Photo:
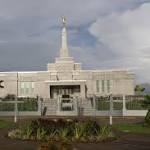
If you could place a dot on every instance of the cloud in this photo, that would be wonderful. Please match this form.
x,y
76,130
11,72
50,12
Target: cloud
x,y
32,28
78,12
127,35
124,31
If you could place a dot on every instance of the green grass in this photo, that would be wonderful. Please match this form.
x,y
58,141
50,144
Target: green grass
x,y
4,124
133,128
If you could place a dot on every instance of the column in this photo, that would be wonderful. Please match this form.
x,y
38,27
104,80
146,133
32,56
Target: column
x,y
82,90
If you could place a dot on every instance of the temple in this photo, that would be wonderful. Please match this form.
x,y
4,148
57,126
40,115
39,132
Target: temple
x,y
65,82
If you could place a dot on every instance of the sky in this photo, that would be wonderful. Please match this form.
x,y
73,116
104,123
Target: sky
x,y
102,34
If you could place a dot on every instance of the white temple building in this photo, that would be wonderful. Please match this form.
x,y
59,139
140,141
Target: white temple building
x,y
66,79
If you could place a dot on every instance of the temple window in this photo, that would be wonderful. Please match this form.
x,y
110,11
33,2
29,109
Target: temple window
x,y
26,88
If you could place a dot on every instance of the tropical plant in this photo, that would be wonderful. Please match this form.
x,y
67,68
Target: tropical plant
x,y
27,130
15,134
63,133
79,130
61,130
105,130
41,134
52,133
103,133
91,127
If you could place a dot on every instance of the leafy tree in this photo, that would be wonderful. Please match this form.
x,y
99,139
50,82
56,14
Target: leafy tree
x,y
139,89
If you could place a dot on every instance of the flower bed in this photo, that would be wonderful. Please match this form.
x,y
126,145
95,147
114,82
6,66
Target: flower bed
x,y
63,130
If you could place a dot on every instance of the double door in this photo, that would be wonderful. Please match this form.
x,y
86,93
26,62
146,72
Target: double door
x,y
56,91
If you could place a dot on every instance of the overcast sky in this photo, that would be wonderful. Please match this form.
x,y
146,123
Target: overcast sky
x,y
102,34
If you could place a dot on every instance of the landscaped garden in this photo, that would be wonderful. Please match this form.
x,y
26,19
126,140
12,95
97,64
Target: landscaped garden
x,y
63,134
66,134
63,130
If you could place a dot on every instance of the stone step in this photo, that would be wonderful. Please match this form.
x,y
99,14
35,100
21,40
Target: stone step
x,y
51,114
51,109
49,103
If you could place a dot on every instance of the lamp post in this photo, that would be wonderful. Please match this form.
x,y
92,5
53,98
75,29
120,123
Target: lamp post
x,y
111,109
16,102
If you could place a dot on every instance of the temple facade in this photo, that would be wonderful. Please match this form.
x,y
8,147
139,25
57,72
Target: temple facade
x,y
66,78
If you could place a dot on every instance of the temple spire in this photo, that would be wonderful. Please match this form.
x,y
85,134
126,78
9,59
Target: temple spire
x,y
64,47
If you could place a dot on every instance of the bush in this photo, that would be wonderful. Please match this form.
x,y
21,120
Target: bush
x,y
9,97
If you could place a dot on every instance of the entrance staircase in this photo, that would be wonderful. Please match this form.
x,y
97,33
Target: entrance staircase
x,y
85,107
88,107
51,107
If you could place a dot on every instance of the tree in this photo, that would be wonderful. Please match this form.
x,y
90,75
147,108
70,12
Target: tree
x,y
139,89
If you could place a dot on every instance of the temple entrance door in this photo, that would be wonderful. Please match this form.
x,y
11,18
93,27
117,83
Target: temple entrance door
x,y
58,90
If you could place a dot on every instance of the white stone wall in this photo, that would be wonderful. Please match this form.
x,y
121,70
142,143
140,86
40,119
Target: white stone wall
x,y
122,82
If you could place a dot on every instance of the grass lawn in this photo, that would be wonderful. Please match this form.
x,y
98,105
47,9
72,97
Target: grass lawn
x,y
133,128
4,124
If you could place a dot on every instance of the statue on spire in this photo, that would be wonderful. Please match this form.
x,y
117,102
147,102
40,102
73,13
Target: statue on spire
x,y
64,47
64,20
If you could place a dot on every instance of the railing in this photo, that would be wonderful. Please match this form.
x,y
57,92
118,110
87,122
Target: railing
x,y
70,102
122,106
23,106
99,106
